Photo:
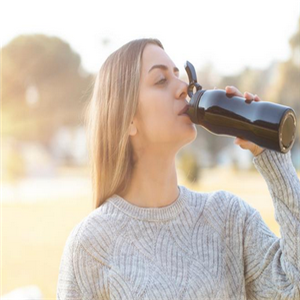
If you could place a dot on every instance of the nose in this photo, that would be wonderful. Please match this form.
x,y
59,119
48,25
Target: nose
x,y
182,90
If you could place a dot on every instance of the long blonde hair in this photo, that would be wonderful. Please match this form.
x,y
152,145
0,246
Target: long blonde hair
x,y
109,113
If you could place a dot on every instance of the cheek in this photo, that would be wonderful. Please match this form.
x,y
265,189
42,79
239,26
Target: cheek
x,y
157,117
157,123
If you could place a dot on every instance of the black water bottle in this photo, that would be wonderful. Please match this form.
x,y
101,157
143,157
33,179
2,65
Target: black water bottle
x,y
269,125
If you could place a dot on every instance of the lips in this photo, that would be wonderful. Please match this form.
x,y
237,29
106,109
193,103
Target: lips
x,y
184,110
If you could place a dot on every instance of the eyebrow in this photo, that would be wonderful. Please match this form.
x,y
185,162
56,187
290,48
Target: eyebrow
x,y
163,67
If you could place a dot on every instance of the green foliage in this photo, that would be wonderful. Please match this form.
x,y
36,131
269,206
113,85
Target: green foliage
x,y
189,166
288,83
295,39
43,87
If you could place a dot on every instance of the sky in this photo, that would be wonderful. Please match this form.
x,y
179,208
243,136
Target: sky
x,y
230,35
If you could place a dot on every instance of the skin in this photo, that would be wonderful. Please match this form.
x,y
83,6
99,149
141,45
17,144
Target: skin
x,y
157,132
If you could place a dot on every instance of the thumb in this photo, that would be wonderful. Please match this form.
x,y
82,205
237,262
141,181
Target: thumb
x,y
244,144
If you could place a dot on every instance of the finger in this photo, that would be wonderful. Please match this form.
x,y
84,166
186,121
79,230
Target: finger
x,y
233,90
256,98
248,96
244,144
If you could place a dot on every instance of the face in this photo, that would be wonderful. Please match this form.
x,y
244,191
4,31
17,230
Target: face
x,y
162,96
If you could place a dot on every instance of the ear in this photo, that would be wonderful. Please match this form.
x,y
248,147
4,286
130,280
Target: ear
x,y
132,129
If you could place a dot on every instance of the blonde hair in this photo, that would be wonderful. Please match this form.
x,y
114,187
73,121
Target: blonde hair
x,y
108,116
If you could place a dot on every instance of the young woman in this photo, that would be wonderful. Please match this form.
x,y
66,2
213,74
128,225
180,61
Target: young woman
x,y
149,238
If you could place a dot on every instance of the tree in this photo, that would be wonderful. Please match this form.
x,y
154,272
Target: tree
x,y
286,88
44,87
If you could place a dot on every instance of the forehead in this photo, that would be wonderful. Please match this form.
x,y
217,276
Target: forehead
x,y
154,55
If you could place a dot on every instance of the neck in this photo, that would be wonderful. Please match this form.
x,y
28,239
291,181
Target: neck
x,y
153,182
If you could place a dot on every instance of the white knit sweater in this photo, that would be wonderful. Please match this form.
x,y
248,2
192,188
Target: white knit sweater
x,y
202,246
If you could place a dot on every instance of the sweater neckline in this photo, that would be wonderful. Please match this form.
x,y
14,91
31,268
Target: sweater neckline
x,y
164,213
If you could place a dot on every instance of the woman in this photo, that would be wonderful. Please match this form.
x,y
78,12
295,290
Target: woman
x,y
149,238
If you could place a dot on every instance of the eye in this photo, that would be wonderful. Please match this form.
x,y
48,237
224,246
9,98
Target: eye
x,y
162,81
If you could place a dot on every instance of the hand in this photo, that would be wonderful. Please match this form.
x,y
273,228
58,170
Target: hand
x,y
244,144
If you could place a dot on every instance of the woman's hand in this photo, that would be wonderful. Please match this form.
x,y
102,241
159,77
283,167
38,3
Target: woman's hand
x,y
244,144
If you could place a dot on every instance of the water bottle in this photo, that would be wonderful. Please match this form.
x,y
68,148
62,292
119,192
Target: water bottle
x,y
269,125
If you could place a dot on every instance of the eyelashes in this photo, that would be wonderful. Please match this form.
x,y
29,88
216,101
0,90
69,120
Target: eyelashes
x,y
162,81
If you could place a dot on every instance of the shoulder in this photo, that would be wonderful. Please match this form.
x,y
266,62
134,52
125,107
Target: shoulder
x,y
72,244
224,200
93,236
220,204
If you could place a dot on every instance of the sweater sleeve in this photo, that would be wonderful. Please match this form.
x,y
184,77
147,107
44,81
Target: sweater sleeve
x,y
67,285
83,272
272,264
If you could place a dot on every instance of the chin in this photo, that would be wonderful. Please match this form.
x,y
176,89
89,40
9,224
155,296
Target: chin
x,y
191,135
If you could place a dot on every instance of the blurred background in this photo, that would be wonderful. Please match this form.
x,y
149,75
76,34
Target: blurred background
x,y
50,55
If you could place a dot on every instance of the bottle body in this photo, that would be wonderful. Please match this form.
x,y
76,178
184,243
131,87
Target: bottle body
x,y
269,125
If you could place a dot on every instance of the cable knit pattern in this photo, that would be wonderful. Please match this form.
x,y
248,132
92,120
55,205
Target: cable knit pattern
x,y
202,246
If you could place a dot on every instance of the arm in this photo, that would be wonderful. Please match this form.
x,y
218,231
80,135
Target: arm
x,y
67,286
84,272
272,265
